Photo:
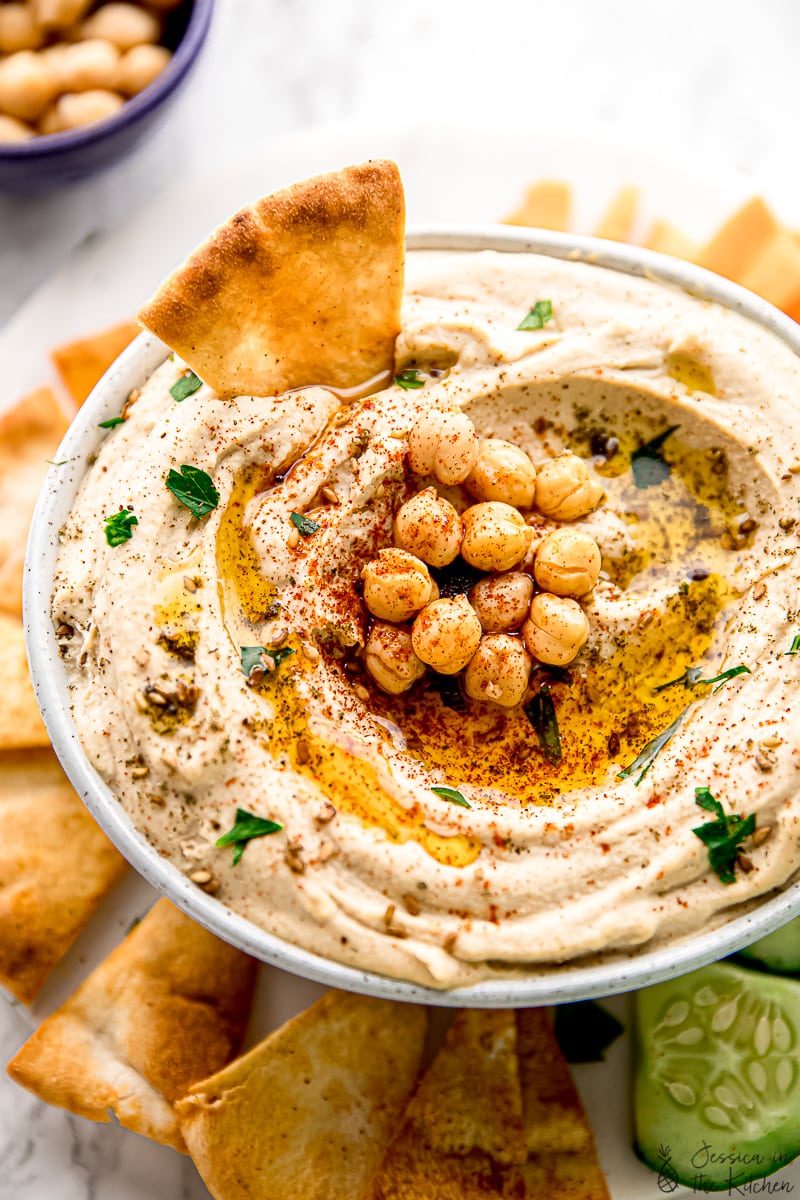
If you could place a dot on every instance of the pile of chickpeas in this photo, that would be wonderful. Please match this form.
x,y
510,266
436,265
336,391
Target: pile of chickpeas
x,y
67,63
526,608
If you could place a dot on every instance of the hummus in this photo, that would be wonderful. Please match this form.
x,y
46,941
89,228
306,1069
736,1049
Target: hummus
x,y
555,859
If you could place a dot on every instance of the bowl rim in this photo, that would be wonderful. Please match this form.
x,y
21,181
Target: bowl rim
x,y
552,985
53,145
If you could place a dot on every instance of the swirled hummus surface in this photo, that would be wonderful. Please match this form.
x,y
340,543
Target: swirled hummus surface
x,y
556,858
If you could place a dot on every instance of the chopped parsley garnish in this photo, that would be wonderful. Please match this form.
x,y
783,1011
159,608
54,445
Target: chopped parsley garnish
x,y
247,827
541,312
647,464
455,797
645,759
585,1030
795,646
409,379
119,527
722,837
110,423
59,462
186,386
692,677
252,656
304,525
541,712
194,489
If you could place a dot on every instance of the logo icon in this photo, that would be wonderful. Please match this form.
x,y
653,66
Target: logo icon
x,y
667,1175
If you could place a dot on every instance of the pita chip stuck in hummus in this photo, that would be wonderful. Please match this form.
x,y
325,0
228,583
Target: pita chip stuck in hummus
x,y
303,286
168,1007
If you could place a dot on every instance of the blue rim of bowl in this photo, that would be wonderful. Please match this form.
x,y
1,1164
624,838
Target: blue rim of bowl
x,y
540,985
52,145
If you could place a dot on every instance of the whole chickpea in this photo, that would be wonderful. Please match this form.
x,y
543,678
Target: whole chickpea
x,y
396,585
59,14
556,629
427,525
390,659
74,109
86,65
495,536
19,29
502,601
139,67
565,490
125,25
498,671
503,472
446,634
12,130
443,444
567,563
25,86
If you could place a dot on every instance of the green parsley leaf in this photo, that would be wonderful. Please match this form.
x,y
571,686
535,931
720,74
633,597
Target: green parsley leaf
x,y
691,677
194,489
541,712
186,386
585,1030
541,312
648,755
409,379
722,837
111,422
251,656
119,527
247,826
795,646
455,797
59,462
304,525
647,464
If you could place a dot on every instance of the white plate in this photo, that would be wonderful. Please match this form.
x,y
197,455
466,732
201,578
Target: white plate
x,y
451,174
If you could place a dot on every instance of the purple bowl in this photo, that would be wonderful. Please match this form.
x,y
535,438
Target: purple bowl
x,y
54,159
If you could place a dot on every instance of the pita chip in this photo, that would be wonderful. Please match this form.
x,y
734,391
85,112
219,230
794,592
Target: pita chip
x,y
302,287
668,239
463,1134
617,221
82,363
546,205
20,722
309,1111
737,244
168,1007
29,435
56,866
562,1163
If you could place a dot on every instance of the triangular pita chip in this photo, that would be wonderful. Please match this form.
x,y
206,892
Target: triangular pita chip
x,y
302,287
20,722
546,205
737,244
56,866
83,363
168,1007
309,1111
463,1135
617,221
29,435
668,239
563,1163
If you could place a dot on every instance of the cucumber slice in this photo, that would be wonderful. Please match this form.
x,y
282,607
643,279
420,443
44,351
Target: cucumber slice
x,y
778,951
717,1083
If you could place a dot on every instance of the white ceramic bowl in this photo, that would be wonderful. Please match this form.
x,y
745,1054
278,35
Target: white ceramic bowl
x,y
571,981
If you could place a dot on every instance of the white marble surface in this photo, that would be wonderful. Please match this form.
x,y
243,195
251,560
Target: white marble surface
x,y
717,77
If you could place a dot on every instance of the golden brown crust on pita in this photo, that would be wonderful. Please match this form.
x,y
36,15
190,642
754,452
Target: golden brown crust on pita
x,y
21,724
82,363
555,1120
166,1008
55,868
309,1111
29,435
303,287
